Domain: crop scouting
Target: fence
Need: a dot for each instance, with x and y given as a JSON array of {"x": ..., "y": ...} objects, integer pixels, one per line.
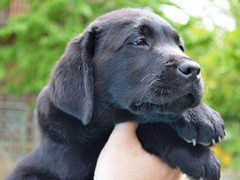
[
  {"x": 17, "y": 130},
  {"x": 15, "y": 8}
]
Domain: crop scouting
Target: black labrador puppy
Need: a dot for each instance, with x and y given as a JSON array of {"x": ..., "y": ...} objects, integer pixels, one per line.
[{"x": 127, "y": 65}]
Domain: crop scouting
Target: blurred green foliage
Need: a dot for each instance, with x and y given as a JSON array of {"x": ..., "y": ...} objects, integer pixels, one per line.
[
  {"x": 31, "y": 43},
  {"x": 232, "y": 145}
]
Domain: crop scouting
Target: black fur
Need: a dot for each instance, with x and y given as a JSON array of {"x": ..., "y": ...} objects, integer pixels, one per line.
[{"x": 127, "y": 65}]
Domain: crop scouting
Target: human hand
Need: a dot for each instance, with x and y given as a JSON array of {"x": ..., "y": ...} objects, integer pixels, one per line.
[{"x": 124, "y": 158}]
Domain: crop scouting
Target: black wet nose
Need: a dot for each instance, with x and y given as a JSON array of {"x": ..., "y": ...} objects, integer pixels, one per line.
[{"x": 189, "y": 69}]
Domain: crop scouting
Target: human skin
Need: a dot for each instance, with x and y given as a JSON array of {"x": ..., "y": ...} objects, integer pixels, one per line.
[{"x": 124, "y": 158}]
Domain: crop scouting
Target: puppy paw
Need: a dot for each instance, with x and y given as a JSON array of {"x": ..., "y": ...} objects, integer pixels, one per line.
[
  {"x": 197, "y": 162},
  {"x": 200, "y": 125}
]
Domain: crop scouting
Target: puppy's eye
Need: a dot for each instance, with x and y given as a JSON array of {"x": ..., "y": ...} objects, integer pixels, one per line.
[{"x": 140, "y": 42}]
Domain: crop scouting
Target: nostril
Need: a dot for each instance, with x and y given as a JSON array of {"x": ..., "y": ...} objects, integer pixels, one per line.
[
  {"x": 189, "y": 69},
  {"x": 198, "y": 71},
  {"x": 186, "y": 70}
]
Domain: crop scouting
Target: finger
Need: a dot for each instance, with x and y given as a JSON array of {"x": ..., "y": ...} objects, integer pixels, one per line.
[
  {"x": 126, "y": 127},
  {"x": 124, "y": 136}
]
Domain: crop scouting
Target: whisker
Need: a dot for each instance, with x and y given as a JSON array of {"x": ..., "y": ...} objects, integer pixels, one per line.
[
  {"x": 153, "y": 93},
  {"x": 146, "y": 86},
  {"x": 147, "y": 76},
  {"x": 150, "y": 86}
]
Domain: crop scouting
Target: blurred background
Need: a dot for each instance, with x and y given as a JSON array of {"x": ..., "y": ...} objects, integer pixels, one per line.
[{"x": 34, "y": 34}]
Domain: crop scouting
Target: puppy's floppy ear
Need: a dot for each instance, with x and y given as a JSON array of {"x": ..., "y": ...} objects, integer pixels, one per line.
[{"x": 71, "y": 86}]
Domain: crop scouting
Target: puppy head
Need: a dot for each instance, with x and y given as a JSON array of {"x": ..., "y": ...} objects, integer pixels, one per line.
[
  {"x": 140, "y": 66},
  {"x": 128, "y": 59}
]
